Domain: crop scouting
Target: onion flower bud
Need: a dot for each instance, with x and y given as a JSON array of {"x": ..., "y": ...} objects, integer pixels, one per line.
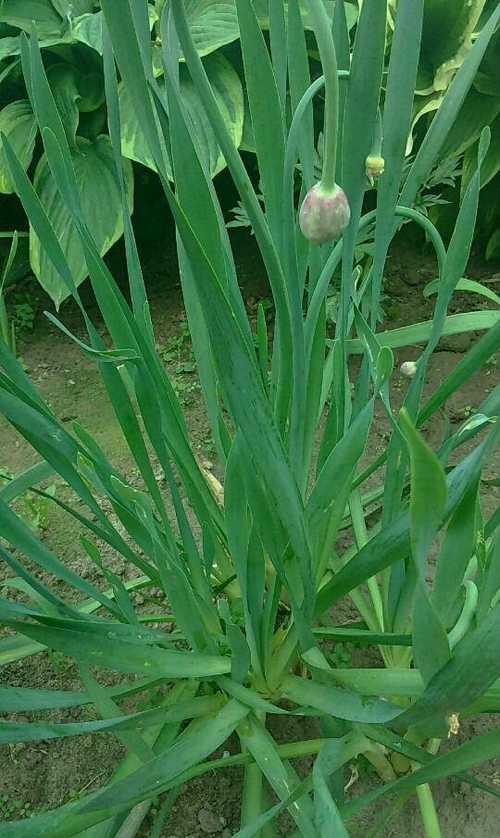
[
  {"x": 375, "y": 165},
  {"x": 324, "y": 214},
  {"x": 408, "y": 369}
]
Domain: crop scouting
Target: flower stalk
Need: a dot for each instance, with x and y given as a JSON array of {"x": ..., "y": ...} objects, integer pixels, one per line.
[{"x": 325, "y": 211}]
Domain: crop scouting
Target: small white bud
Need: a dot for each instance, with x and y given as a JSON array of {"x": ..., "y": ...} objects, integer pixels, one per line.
[{"x": 408, "y": 369}]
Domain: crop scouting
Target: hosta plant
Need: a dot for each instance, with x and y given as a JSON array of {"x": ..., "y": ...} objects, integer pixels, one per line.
[
  {"x": 70, "y": 34},
  {"x": 251, "y": 570}
]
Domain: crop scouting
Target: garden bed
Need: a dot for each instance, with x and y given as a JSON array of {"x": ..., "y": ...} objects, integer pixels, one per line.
[{"x": 47, "y": 774}]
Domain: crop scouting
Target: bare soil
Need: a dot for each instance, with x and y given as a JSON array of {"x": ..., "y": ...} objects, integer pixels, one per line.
[{"x": 47, "y": 774}]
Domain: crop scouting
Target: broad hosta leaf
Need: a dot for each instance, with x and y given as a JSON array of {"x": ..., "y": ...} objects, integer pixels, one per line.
[
  {"x": 213, "y": 23},
  {"x": 88, "y": 29},
  {"x": 447, "y": 39},
  {"x": 477, "y": 111},
  {"x": 63, "y": 82},
  {"x": 18, "y": 123},
  {"x": 73, "y": 7},
  {"x": 101, "y": 204},
  {"x": 41, "y": 13},
  {"x": 229, "y": 93},
  {"x": 491, "y": 163}
]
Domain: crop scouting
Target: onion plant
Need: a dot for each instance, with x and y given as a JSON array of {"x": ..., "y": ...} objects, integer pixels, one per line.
[{"x": 251, "y": 572}]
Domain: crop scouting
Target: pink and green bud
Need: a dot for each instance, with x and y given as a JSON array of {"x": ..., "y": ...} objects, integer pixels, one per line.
[{"x": 324, "y": 214}]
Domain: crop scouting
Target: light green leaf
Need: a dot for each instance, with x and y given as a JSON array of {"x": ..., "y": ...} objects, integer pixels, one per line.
[
  {"x": 464, "y": 285},
  {"x": 101, "y": 205},
  {"x": 454, "y": 324},
  {"x": 9, "y": 46},
  {"x": 228, "y": 91},
  {"x": 422, "y": 107},
  {"x": 265, "y": 111},
  {"x": 431, "y": 648},
  {"x": 428, "y": 494},
  {"x": 18, "y": 123}
]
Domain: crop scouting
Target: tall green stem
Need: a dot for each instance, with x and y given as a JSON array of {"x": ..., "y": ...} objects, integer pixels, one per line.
[
  {"x": 428, "y": 812},
  {"x": 324, "y": 38}
]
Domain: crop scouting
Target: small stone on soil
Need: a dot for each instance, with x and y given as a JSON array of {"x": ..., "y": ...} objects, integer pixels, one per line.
[{"x": 209, "y": 821}]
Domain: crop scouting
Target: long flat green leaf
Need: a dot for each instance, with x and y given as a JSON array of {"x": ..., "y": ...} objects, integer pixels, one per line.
[
  {"x": 266, "y": 111},
  {"x": 197, "y": 742},
  {"x": 478, "y": 750},
  {"x": 124, "y": 656},
  {"x": 339, "y": 703},
  {"x": 465, "y": 284},
  {"x": 491, "y": 580},
  {"x": 401, "y": 79},
  {"x": 20, "y": 536},
  {"x": 428, "y": 492},
  {"x": 333, "y": 755},
  {"x": 454, "y": 324},
  {"x": 24, "y": 481},
  {"x": 455, "y": 555},
  {"x": 393, "y": 542},
  {"x": 474, "y": 359},
  {"x": 11, "y": 732},
  {"x": 27, "y": 700},
  {"x": 474, "y": 666},
  {"x": 261, "y": 745}
]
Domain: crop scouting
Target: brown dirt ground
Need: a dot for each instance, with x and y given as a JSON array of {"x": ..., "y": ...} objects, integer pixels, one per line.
[{"x": 44, "y": 775}]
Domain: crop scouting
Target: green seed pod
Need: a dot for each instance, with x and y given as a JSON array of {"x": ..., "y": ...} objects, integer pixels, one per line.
[{"x": 324, "y": 214}]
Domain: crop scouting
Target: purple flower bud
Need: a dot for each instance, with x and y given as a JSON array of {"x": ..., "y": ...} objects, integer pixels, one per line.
[{"x": 324, "y": 214}]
